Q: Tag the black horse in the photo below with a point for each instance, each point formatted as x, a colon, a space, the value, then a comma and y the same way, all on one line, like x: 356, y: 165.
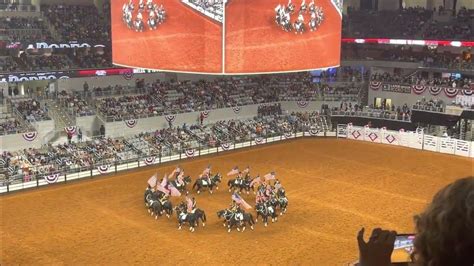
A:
x: 266, y: 210
x: 204, y: 183
x: 239, y: 220
x: 182, y: 187
x: 200, y: 215
x: 282, y: 200
x: 184, y: 217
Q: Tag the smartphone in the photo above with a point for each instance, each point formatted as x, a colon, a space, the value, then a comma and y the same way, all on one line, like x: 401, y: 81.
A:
x: 403, y: 248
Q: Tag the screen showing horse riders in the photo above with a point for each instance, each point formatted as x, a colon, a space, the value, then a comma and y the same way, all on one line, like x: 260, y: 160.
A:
x: 168, y: 35
x: 227, y: 37
x: 267, y: 36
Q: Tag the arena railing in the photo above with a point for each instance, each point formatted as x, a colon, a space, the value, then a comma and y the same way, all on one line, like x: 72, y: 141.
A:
x: 411, y: 139
x: 381, y: 114
x: 67, y: 174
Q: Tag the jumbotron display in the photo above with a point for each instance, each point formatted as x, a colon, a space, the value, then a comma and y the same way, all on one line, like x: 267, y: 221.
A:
x: 227, y: 37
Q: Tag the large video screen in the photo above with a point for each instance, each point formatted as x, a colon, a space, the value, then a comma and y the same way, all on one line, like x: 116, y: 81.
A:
x: 227, y: 37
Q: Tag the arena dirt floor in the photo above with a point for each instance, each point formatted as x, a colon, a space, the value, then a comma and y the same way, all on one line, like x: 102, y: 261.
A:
x: 334, y: 187
x: 254, y: 43
x: 187, y: 41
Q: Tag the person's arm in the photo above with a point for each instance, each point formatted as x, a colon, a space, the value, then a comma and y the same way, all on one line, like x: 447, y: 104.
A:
x: 378, y: 250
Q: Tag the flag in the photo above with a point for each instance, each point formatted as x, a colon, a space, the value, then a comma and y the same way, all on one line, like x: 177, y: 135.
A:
x: 241, y: 201
x: 174, y: 192
x: 234, y: 171
x: 164, y: 182
x: 246, y: 170
x: 153, y: 181
x: 270, y: 176
x: 256, y: 180
x: 207, y: 170
x: 189, y: 203
x: 163, y: 189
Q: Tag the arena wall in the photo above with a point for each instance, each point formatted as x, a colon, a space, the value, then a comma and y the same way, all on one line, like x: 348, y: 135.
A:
x: 18, y: 142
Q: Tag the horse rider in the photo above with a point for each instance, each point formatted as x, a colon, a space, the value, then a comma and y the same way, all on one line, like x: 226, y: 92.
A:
x: 193, y: 201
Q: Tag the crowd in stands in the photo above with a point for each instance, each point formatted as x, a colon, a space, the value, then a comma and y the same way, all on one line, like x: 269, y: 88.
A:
x: 434, y: 105
x: 9, y: 125
x: 160, y: 98
x: 22, y: 23
x: 78, y: 22
x: 460, y: 60
x: 32, y: 110
x: 269, y: 109
x: 418, y: 80
x: 79, y: 155
x: 74, y: 103
x: 407, y: 23
x: 392, y: 112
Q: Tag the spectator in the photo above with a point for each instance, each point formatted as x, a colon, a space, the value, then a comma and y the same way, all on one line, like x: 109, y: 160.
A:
x: 445, y: 231
x: 102, y: 130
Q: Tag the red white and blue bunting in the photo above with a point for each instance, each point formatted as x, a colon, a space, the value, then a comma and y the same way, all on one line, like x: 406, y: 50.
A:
x: 170, y: 118
x: 70, y: 130
x: 128, y: 75
x: 51, y: 179
x: 467, y: 92
x: 313, y: 132
x: 418, y: 89
x: 302, y: 104
x: 375, y: 85
x: 149, y: 160
x: 259, y: 140
x: 435, y: 90
x: 190, y: 152
x: 30, y: 136
x: 131, y: 123
x: 103, y: 169
x: 451, y: 92
x: 236, y: 109
x: 226, y: 146
x: 205, y: 114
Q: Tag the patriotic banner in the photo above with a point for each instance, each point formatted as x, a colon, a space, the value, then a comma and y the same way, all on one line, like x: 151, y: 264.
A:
x: 234, y: 171
x: 236, y: 109
x: 153, y: 181
x: 103, y: 169
x: 259, y: 140
x: 189, y: 204
x: 51, y: 179
x: 313, y: 132
x: 434, y: 90
x: 189, y: 152
x: 236, y: 197
x: 288, y: 135
x: 128, y: 74
x: 170, y: 118
x: 270, y: 176
x: 302, y: 104
x: 375, y: 85
x: 131, y: 123
x: 30, y: 136
x: 451, y: 92
x: 418, y: 89
x: 149, y: 160
x: 162, y: 189
x: 226, y: 146
x: 205, y: 114
x: 467, y: 92
x: 70, y: 130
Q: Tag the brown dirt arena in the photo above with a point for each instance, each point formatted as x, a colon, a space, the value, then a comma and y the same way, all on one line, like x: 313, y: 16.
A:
x: 254, y: 43
x: 186, y: 41
x: 334, y: 188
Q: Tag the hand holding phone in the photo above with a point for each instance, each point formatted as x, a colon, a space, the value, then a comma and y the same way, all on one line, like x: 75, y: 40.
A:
x: 403, y: 248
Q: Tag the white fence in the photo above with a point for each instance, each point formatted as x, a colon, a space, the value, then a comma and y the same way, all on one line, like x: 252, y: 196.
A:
x: 412, y: 139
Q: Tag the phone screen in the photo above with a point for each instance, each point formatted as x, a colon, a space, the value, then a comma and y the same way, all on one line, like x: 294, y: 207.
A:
x: 403, y: 248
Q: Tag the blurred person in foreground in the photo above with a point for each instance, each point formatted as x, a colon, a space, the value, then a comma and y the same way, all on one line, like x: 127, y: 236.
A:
x: 444, y: 232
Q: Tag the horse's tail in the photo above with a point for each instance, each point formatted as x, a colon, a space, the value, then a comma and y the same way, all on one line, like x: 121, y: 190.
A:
x: 229, y: 183
x: 195, y: 184
x: 204, y: 216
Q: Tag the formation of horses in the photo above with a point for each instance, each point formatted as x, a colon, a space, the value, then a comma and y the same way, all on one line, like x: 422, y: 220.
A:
x: 271, y: 201
x: 156, y: 15
x: 283, y: 17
